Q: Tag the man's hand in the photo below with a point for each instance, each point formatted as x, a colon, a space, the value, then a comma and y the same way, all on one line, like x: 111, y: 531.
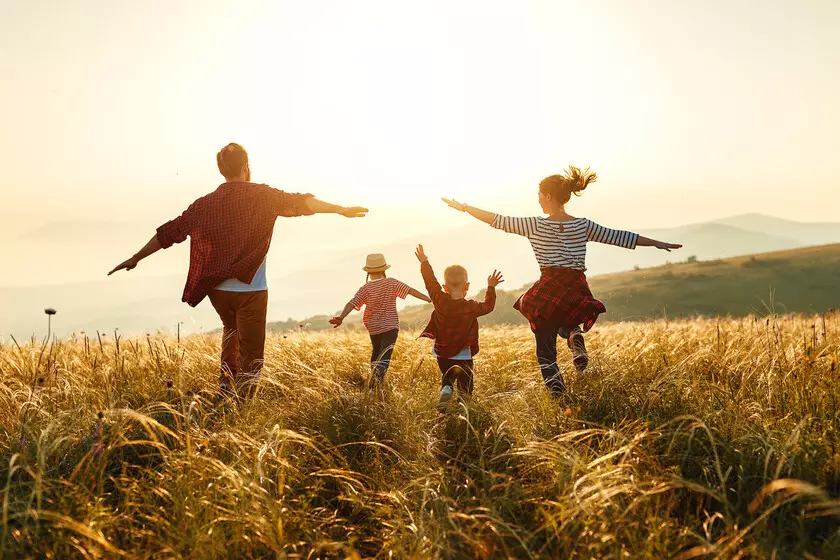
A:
x: 461, y: 207
x: 495, y: 279
x: 125, y: 265
x: 667, y: 246
x: 336, y: 321
x: 353, y: 211
x: 420, y: 254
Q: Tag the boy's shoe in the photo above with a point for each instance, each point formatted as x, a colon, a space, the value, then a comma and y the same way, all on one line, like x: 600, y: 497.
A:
x: 445, y: 398
x: 579, y: 355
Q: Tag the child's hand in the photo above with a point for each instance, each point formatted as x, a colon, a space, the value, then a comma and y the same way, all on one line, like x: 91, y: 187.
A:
x: 461, y: 207
x: 420, y: 254
x: 336, y: 321
x: 495, y: 279
x: 667, y: 246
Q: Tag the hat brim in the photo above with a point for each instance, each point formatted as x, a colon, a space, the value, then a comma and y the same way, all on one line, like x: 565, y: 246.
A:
x: 376, y: 268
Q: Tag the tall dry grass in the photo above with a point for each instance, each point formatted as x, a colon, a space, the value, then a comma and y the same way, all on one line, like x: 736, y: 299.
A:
x: 690, y: 439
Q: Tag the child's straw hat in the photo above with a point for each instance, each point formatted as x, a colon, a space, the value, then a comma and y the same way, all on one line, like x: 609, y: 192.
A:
x: 376, y: 263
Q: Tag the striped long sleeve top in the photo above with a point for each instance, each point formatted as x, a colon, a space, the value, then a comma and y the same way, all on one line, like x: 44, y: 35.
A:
x: 563, y: 243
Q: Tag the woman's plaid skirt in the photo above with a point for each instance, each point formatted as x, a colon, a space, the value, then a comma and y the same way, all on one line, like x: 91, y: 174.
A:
x: 560, y: 298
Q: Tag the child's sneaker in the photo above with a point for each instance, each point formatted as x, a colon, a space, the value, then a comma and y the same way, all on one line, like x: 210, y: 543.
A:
x: 445, y: 398
x: 579, y: 355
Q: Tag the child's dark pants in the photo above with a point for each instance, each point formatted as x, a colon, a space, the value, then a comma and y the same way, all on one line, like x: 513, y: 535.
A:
x: 546, y: 338
x: 457, y: 372
x: 380, y: 356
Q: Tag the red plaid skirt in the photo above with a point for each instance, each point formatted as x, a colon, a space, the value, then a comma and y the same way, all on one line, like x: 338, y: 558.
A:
x: 561, y: 298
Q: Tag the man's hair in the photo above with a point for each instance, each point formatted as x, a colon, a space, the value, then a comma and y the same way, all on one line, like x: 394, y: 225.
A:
x: 455, y: 276
x: 231, y: 159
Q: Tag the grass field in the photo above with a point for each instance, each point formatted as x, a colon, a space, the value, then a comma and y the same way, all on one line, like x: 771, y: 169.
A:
x: 687, y: 439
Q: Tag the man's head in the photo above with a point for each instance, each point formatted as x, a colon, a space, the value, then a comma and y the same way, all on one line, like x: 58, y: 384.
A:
x: 233, y: 163
x: 455, y: 281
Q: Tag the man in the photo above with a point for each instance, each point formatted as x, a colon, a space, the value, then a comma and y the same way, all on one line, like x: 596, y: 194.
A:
x: 230, y: 231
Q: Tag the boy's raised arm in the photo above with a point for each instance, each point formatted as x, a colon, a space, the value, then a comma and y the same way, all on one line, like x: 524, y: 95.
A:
x: 484, y: 307
x: 432, y: 285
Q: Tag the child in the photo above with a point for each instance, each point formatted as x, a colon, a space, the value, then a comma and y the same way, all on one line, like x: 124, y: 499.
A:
x: 454, y: 325
x: 379, y: 296
x: 560, y: 301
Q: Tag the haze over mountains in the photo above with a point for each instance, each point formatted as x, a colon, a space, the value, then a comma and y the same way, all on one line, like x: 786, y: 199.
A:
x: 315, y: 273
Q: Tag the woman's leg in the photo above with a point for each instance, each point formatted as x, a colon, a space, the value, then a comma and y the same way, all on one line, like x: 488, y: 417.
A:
x: 580, y: 357
x: 546, y: 340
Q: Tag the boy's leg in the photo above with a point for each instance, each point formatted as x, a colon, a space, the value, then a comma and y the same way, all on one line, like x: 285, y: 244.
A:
x: 546, y: 340
x: 446, y: 388
x: 460, y: 374
x: 224, y: 306
x: 250, y: 320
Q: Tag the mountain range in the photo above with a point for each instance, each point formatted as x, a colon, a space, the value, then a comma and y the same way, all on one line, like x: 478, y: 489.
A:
x: 321, y: 280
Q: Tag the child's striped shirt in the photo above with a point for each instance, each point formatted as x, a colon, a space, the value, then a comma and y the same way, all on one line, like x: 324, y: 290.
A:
x: 563, y: 243
x: 380, y: 300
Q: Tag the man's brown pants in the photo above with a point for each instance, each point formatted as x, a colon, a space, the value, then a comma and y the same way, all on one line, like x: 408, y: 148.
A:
x: 243, y: 340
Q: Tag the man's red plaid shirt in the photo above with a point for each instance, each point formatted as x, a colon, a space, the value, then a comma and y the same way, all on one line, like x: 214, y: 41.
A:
x: 230, y: 232
x: 454, y: 322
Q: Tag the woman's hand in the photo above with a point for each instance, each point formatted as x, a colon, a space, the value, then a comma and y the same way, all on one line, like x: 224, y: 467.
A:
x: 336, y: 321
x: 461, y: 207
x: 495, y: 279
x: 667, y: 246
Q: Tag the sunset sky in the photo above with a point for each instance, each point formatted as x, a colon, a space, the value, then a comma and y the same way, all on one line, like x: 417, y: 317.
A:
x: 687, y: 110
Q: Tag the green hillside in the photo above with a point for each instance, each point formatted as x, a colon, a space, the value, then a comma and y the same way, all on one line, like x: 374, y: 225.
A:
x: 798, y: 280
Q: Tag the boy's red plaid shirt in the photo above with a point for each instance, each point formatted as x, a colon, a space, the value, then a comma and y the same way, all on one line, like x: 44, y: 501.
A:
x: 454, y: 322
x: 230, y: 231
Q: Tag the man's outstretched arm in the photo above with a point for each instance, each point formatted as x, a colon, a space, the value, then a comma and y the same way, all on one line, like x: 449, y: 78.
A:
x: 153, y: 246
x: 321, y: 207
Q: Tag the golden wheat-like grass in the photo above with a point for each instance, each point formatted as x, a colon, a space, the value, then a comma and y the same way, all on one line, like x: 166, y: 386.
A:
x: 692, y: 439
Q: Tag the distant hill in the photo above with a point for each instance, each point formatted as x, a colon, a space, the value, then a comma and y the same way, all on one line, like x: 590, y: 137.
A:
x: 800, y: 280
x: 40, y: 266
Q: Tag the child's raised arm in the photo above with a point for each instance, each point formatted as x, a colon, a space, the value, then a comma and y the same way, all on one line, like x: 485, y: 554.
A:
x: 432, y: 285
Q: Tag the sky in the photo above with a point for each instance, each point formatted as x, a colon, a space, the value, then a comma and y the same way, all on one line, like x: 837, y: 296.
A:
x: 113, y: 112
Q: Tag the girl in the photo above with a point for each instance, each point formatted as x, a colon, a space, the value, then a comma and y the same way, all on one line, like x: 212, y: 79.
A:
x: 560, y: 302
x: 379, y: 296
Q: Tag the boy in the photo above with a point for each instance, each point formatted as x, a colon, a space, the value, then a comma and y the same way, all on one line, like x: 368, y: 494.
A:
x: 454, y: 325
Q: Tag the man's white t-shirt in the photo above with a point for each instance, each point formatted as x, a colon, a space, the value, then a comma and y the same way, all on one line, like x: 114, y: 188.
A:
x: 258, y: 284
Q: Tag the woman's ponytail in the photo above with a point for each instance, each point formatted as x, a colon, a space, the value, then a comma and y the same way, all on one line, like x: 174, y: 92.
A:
x: 572, y: 180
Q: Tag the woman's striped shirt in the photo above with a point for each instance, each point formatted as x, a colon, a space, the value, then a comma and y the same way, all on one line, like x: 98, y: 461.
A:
x: 563, y: 243
x: 379, y: 297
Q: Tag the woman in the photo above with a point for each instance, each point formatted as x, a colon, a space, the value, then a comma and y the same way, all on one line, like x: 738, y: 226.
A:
x: 560, y: 302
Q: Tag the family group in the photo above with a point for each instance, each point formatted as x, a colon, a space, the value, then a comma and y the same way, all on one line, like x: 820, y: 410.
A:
x: 230, y: 230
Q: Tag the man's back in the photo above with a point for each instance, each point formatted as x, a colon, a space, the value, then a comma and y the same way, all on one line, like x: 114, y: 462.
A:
x: 230, y: 230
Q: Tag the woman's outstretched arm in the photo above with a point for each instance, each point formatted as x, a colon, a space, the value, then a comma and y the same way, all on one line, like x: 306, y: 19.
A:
x: 648, y: 242
x: 477, y: 213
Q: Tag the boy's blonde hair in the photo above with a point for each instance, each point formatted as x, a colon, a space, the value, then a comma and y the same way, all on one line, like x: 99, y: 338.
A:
x: 455, y: 276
